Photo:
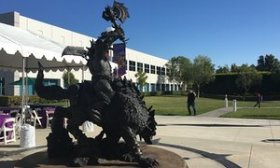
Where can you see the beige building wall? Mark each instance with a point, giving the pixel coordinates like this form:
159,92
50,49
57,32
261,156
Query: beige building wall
133,55
67,37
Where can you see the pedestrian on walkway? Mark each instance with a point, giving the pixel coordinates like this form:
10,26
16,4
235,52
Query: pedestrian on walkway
258,99
191,102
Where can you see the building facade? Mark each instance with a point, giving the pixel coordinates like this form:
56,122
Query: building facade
135,61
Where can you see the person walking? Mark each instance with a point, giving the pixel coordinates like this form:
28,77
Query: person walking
191,102
258,99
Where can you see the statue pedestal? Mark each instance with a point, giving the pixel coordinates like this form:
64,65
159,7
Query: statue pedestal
165,158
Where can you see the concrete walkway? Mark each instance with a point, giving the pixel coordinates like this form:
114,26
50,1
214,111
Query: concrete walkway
216,113
220,142
202,141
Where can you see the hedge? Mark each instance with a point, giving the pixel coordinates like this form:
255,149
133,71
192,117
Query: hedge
9,101
225,84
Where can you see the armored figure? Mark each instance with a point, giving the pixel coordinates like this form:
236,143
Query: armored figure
98,61
100,69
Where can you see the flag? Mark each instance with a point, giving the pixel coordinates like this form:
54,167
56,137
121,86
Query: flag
119,54
120,11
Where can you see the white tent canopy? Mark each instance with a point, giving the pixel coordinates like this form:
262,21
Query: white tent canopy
21,50
17,45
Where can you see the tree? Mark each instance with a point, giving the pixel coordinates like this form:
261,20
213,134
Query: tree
203,71
247,77
268,63
234,68
179,69
224,69
68,79
141,79
261,63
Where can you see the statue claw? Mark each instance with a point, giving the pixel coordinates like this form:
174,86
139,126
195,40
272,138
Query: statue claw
148,162
95,117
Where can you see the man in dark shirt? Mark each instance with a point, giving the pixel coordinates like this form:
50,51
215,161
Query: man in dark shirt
191,102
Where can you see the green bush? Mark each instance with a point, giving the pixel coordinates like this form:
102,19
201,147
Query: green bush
16,100
10,100
159,93
225,84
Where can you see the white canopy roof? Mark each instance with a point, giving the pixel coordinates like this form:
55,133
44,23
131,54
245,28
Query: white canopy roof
16,44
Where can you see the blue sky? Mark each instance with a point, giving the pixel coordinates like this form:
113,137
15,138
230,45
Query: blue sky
227,31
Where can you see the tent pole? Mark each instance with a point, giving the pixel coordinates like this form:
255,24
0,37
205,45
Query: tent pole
68,77
23,103
83,73
23,83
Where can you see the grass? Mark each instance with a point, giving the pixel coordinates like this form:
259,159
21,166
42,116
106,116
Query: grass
268,110
176,105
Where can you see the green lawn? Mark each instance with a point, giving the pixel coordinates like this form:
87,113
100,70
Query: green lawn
268,110
176,105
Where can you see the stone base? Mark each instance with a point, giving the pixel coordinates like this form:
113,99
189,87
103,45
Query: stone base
165,158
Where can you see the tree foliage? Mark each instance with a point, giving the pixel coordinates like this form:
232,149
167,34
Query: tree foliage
234,68
141,79
223,69
68,79
247,77
203,71
268,63
179,69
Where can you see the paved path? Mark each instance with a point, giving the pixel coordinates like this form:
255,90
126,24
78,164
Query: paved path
216,113
202,141
222,142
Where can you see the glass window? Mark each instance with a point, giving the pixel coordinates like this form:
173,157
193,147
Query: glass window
2,86
162,71
153,87
132,66
158,70
147,68
167,71
153,69
146,87
139,67
167,87
158,87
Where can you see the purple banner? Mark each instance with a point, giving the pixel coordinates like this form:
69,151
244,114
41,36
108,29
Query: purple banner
119,58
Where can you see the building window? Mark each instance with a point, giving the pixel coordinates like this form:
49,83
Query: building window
153,87
139,67
158,87
158,70
146,87
163,87
2,86
167,87
131,65
153,69
147,68
162,71
167,71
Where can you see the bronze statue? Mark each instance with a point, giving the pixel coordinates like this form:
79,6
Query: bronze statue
114,104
